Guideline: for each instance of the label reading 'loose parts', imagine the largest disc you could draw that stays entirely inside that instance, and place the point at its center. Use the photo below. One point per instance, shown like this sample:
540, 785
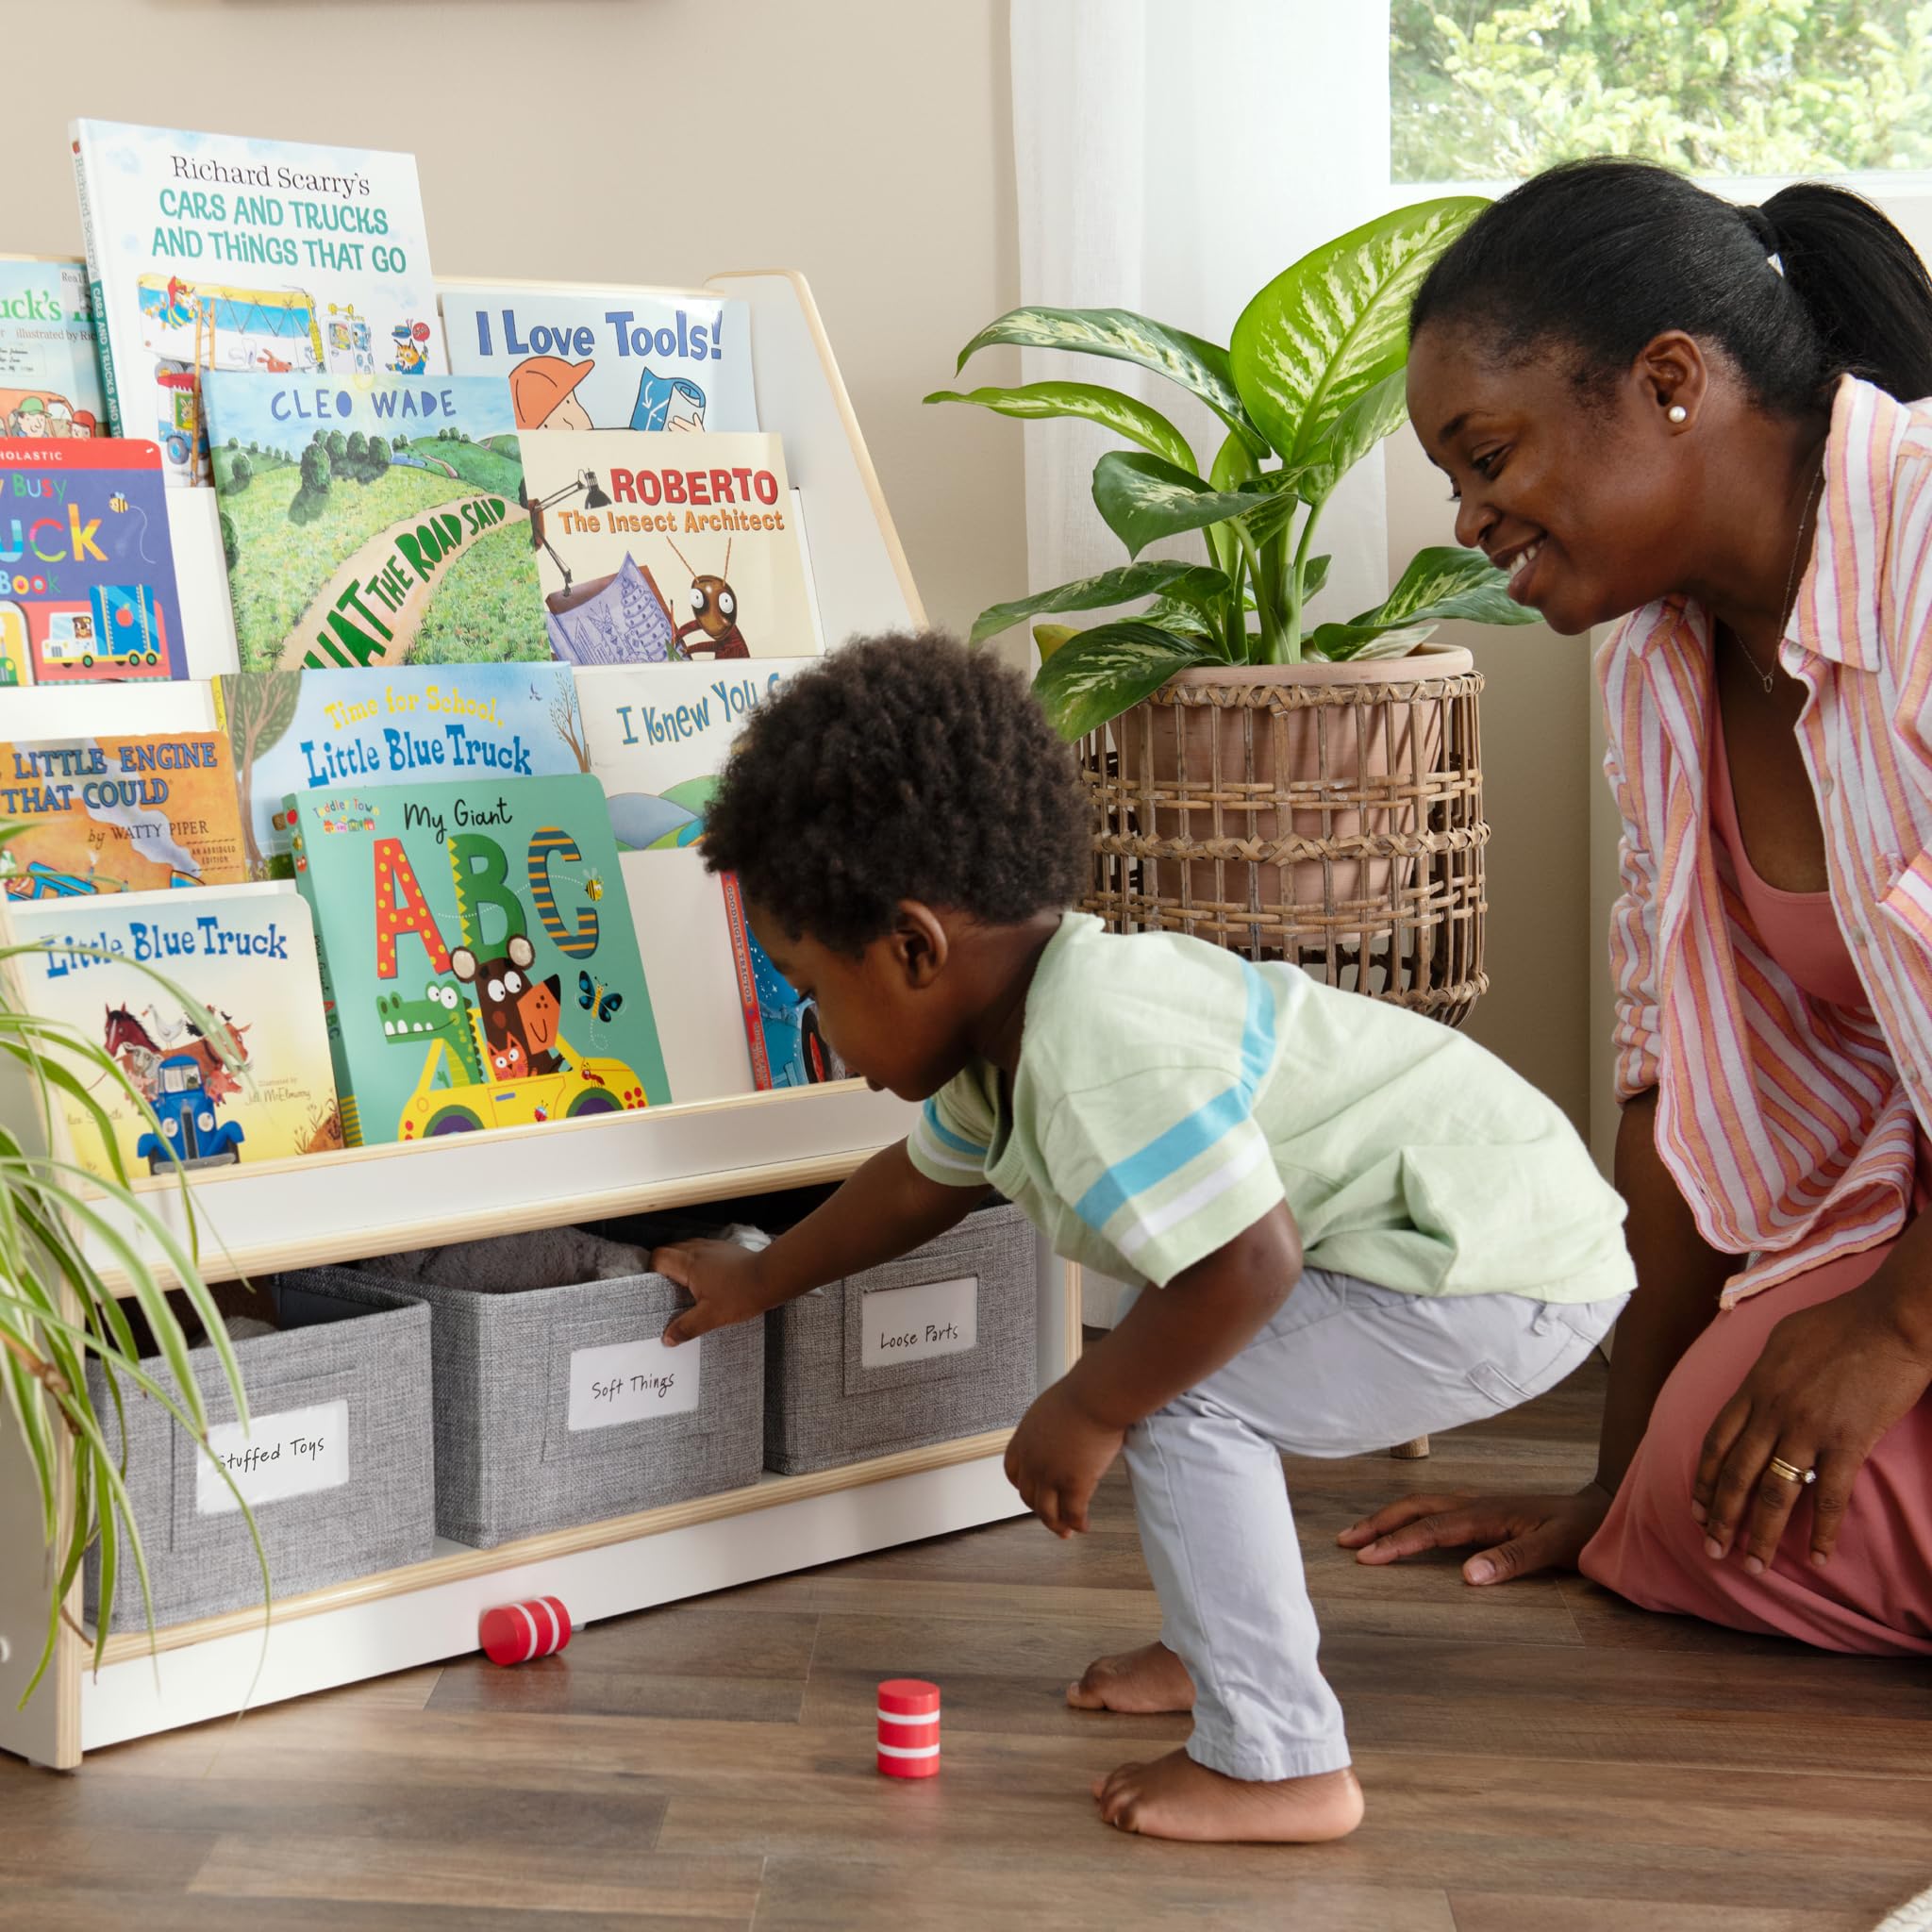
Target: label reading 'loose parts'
632, 1381
293, 1454
911, 1324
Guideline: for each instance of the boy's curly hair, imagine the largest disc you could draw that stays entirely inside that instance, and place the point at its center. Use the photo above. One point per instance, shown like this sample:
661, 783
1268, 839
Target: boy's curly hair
900, 767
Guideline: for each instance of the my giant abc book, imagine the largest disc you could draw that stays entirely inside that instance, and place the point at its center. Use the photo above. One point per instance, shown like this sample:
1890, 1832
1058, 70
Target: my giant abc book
478, 962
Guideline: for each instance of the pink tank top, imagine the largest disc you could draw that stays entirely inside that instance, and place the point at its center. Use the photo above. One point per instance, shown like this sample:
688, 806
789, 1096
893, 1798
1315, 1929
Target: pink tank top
1799, 930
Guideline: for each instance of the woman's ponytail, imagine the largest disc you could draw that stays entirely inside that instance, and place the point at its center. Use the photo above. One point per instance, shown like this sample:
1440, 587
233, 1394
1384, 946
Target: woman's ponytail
1861, 282
1604, 255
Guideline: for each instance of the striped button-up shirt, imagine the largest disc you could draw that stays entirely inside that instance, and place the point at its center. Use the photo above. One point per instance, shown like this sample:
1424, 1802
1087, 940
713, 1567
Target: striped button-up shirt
1790, 1126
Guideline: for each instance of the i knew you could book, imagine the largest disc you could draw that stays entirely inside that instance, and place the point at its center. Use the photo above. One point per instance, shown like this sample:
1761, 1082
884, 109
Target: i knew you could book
478, 962
657, 736
215, 251
660, 548
315, 730
374, 524
238, 1072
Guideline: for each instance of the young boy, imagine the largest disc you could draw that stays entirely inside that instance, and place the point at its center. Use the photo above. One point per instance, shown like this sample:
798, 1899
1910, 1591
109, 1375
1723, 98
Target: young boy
1358, 1227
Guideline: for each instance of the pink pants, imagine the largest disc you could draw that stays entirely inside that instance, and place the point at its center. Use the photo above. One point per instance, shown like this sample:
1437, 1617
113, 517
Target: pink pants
1876, 1594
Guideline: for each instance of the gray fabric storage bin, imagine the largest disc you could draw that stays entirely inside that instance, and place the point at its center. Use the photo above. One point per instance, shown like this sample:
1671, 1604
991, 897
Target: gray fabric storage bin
511, 1368
353, 1380
833, 1395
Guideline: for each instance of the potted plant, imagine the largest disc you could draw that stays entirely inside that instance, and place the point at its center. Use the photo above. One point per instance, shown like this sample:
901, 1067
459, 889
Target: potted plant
56, 1311
1308, 792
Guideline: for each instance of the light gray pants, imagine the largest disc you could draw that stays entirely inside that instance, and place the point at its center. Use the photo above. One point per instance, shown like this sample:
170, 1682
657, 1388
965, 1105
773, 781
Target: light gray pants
1344, 1368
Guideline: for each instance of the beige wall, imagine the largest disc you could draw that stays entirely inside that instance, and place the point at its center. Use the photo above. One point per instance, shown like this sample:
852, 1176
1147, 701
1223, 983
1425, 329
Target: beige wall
865, 141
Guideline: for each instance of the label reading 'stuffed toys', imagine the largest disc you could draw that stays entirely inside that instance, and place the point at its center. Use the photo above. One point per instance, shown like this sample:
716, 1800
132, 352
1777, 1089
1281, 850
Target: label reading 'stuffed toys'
296, 1453
911, 1324
631, 1382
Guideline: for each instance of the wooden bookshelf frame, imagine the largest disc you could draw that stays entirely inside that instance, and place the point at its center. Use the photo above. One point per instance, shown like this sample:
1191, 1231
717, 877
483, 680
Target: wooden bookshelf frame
263, 1217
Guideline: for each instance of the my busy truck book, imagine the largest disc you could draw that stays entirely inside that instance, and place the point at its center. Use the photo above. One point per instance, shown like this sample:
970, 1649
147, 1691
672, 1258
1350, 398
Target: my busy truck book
238, 1073
122, 815
214, 251
607, 359
479, 963
307, 730
373, 523
50, 369
87, 577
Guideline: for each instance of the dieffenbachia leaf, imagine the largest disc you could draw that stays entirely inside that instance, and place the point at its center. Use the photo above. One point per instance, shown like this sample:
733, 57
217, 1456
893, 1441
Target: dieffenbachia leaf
1144, 499
1192, 582
1107, 669
1123, 414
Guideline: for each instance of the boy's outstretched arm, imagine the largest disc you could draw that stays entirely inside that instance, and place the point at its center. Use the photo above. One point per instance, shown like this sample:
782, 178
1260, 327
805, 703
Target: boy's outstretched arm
1171, 1339
886, 1209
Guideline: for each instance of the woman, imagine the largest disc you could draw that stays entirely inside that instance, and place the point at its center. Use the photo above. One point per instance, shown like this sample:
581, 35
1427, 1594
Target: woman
1651, 402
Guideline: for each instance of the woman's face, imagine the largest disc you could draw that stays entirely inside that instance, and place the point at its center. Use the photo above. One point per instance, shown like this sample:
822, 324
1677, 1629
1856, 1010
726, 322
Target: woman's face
1582, 499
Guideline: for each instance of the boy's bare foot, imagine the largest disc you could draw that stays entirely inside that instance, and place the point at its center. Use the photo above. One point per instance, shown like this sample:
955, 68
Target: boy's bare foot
1142, 1681
1175, 1797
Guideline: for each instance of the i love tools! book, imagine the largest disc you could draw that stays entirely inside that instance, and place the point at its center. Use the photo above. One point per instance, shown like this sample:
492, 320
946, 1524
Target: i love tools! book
238, 1072
478, 962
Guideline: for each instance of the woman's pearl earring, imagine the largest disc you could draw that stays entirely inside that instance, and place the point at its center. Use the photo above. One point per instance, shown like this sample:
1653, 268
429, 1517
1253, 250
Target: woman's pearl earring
1677, 412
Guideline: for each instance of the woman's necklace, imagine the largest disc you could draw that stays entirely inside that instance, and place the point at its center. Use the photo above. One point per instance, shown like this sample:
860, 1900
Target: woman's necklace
1769, 678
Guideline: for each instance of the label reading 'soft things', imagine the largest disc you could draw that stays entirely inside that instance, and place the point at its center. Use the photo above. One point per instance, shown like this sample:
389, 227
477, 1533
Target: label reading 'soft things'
910, 1324
293, 1454
631, 1381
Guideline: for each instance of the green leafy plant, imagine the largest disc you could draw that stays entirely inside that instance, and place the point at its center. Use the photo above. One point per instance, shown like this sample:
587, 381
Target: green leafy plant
1312, 380
57, 1309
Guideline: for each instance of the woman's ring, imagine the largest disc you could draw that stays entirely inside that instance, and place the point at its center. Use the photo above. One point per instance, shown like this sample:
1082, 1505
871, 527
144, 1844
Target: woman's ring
1791, 1472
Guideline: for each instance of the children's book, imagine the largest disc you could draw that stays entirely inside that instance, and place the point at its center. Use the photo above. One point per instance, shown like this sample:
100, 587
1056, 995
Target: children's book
124, 814
236, 1071
657, 736
376, 523
307, 730
478, 967
781, 1029
50, 371
212, 251
607, 359
87, 574
655, 547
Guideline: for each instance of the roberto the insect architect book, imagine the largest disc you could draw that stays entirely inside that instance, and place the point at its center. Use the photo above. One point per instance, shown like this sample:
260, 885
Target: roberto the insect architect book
480, 968
238, 1071
658, 547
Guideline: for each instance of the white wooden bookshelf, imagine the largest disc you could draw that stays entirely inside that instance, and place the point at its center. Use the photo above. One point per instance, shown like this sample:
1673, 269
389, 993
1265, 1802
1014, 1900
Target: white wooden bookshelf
261, 1218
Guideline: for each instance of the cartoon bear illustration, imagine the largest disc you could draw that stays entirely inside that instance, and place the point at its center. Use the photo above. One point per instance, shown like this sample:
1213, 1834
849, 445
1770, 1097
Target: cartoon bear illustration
520, 1014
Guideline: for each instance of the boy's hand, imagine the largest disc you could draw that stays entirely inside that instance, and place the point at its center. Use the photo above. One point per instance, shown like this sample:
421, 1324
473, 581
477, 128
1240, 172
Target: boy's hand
728, 1282
1057, 1457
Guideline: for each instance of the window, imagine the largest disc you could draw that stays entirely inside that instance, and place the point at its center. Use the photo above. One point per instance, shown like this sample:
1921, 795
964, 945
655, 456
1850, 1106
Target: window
1488, 90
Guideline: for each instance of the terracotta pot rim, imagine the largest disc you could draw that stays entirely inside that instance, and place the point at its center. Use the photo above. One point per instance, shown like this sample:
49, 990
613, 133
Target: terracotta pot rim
1427, 660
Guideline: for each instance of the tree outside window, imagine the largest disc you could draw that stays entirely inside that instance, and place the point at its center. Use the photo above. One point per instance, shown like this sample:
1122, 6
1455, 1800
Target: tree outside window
1481, 90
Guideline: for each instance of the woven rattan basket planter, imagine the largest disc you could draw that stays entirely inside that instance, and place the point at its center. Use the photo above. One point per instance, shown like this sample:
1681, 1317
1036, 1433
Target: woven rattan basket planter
1327, 814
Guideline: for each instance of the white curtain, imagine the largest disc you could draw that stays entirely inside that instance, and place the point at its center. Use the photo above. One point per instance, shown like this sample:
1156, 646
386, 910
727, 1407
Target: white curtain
1172, 157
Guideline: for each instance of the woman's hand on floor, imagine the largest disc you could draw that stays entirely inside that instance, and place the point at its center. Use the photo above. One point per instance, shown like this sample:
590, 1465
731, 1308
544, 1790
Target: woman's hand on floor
1521, 1534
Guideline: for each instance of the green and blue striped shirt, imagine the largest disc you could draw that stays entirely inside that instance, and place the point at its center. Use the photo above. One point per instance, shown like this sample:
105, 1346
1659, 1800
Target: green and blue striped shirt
1170, 1093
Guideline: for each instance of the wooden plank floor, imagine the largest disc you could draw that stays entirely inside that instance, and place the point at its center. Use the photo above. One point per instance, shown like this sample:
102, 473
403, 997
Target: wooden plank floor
1538, 1759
